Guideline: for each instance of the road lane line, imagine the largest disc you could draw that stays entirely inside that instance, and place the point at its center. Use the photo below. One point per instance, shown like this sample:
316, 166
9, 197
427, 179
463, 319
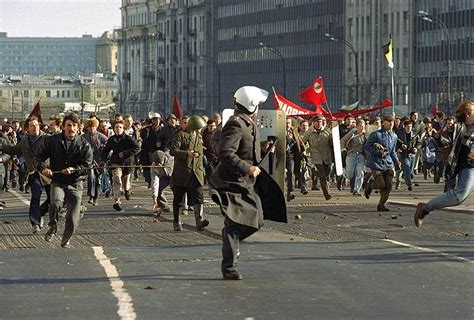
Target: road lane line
125, 303
447, 255
20, 197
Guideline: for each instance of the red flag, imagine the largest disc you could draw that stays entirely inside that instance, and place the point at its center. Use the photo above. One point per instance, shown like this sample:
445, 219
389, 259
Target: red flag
314, 94
177, 108
36, 111
434, 109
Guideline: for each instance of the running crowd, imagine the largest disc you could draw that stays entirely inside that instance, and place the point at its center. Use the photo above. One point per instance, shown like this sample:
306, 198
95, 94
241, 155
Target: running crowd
56, 157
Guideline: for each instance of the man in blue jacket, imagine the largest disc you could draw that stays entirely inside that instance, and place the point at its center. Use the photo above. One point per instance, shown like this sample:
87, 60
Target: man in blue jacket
382, 159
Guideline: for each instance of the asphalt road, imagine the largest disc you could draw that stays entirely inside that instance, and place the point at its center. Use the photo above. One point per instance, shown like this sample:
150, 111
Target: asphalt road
333, 260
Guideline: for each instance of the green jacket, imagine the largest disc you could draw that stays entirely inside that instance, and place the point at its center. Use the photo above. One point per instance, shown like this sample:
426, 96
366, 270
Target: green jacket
185, 167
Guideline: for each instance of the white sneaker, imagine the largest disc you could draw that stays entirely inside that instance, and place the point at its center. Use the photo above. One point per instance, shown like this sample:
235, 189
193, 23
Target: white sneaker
36, 228
41, 222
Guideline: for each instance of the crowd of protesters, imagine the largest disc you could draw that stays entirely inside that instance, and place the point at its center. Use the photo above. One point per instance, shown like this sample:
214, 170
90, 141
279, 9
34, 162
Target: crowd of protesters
183, 153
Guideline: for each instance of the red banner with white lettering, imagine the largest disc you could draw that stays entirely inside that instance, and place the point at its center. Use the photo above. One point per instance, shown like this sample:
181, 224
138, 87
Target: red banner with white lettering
292, 109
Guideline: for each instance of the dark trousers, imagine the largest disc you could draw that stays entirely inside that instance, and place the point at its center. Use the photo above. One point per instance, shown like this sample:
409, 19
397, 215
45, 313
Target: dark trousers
194, 192
232, 234
36, 211
382, 180
323, 171
73, 196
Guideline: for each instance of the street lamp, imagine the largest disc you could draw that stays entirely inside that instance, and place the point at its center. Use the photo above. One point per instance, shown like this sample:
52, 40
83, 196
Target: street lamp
10, 84
433, 19
218, 71
115, 75
356, 57
280, 55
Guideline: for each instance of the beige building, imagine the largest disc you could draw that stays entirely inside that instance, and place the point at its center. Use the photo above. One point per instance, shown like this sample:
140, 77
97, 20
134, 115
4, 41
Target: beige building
18, 94
106, 54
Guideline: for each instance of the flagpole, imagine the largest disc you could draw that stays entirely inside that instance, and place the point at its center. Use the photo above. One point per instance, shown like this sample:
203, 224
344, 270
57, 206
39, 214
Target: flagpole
393, 93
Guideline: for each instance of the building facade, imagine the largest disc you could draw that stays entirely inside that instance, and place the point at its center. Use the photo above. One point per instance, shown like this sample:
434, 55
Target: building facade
443, 61
106, 54
47, 56
18, 94
160, 42
201, 51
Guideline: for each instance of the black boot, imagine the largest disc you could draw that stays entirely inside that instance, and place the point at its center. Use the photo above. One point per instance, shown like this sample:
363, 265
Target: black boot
177, 225
201, 223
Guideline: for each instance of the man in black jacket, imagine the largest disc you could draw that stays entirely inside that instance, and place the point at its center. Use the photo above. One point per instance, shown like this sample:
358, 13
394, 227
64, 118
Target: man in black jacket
70, 157
235, 176
124, 148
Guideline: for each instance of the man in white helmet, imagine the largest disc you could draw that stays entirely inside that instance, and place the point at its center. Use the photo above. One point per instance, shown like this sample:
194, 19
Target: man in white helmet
235, 176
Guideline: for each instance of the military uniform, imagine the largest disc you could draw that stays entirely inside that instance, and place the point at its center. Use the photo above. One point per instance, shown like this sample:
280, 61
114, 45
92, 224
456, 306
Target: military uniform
188, 175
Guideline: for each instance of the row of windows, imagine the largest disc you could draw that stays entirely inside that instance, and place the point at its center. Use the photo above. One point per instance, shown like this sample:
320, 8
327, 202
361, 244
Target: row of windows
138, 19
279, 27
260, 5
363, 25
49, 47
463, 51
53, 94
169, 28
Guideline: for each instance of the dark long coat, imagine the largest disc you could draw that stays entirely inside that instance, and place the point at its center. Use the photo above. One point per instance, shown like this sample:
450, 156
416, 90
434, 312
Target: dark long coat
184, 166
239, 149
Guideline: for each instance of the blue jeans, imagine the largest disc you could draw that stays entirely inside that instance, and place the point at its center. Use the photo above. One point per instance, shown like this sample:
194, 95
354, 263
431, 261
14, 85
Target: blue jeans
35, 209
456, 196
355, 165
407, 167
93, 182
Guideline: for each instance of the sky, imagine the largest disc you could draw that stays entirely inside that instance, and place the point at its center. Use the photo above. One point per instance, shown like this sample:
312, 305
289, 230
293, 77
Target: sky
58, 18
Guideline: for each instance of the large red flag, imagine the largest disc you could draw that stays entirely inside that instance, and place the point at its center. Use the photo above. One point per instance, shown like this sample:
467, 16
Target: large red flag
177, 108
292, 108
37, 111
314, 94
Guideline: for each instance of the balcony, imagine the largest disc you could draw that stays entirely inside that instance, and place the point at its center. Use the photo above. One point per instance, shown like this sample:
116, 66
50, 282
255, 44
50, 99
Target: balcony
192, 32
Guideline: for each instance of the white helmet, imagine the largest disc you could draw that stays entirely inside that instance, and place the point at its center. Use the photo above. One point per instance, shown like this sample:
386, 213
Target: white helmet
250, 97
152, 115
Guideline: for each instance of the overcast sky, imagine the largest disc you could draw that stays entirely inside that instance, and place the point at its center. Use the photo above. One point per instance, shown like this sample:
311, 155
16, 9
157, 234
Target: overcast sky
58, 18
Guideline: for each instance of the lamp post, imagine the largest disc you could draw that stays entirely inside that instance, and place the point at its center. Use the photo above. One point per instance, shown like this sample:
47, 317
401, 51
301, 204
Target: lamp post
116, 76
282, 58
9, 83
356, 57
433, 19
218, 71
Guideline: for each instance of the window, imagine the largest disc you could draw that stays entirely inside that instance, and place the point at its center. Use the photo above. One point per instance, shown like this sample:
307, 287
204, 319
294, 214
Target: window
351, 27
48, 94
25, 93
37, 93
406, 22
99, 94
405, 58
76, 93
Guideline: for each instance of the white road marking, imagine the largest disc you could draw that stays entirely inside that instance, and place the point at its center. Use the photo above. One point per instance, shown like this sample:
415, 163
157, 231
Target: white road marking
444, 254
20, 197
125, 303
